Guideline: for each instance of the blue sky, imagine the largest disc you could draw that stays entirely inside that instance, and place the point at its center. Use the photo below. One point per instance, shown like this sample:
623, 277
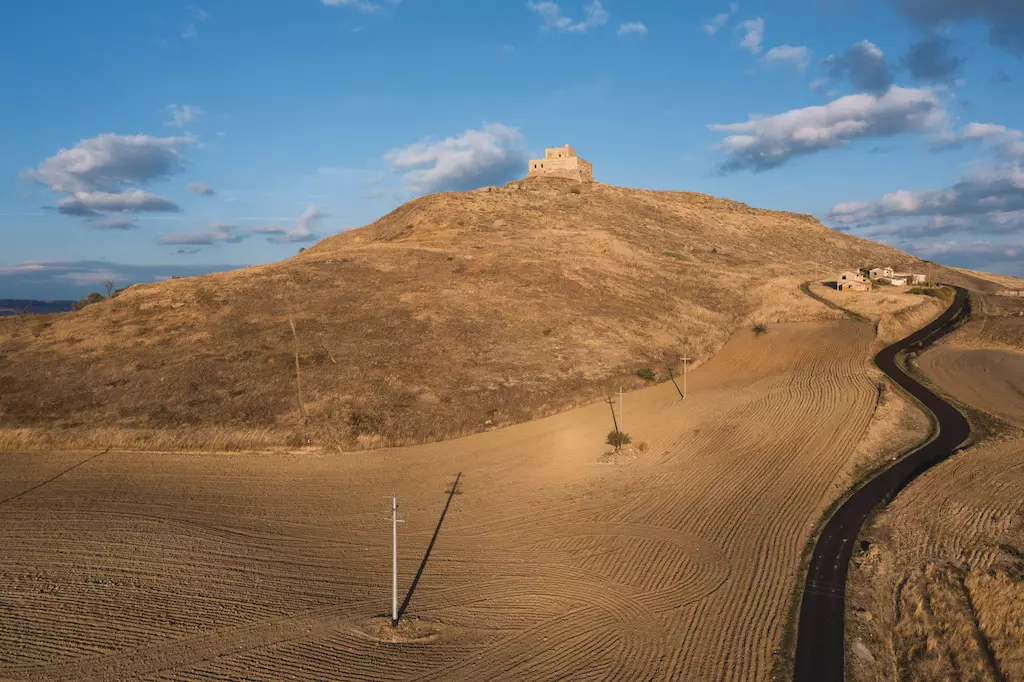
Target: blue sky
149, 139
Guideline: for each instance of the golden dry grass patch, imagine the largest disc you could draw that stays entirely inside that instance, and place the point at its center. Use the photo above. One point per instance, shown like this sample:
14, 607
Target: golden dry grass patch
452, 313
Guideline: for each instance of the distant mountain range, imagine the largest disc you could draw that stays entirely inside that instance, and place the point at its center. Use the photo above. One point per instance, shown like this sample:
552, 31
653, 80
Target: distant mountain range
14, 306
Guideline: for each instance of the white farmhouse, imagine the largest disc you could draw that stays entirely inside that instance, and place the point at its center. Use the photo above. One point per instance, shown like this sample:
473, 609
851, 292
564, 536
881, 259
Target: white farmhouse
879, 273
913, 278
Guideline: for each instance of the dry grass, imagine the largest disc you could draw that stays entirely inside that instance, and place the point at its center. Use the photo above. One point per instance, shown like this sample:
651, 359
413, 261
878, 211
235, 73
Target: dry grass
895, 311
671, 560
940, 594
453, 314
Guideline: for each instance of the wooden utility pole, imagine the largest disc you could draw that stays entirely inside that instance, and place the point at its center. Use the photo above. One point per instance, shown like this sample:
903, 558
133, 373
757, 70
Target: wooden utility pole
394, 558
685, 361
621, 420
611, 405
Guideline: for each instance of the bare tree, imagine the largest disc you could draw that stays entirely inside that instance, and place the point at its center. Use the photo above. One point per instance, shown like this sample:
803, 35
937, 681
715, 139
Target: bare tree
109, 284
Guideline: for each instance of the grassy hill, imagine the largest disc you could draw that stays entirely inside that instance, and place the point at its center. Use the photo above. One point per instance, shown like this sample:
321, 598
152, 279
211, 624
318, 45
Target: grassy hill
454, 313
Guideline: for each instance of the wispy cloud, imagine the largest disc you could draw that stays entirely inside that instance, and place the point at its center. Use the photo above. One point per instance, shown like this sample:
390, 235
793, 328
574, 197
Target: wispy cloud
715, 24
797, 57
198, 16
183, 114
201, 189
114, 224
302, 232
215, 233
366, 6
633, 28
753, 37
551, 12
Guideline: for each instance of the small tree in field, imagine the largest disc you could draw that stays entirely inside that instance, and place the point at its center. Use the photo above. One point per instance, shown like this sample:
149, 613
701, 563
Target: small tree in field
617, 439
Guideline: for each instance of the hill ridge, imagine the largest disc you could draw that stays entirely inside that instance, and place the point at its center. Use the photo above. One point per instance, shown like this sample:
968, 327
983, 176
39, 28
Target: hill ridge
455, 312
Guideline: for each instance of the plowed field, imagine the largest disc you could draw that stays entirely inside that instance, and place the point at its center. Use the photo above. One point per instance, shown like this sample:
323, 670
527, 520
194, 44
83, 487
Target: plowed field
675, 560
939, 594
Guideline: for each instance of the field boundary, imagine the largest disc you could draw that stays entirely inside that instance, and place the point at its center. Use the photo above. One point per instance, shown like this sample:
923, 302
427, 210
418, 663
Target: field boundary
806, 288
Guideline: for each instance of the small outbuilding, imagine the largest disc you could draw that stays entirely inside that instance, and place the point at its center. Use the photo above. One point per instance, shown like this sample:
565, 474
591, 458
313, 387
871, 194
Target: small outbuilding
852, 281
879, 273
910, 277
853, 285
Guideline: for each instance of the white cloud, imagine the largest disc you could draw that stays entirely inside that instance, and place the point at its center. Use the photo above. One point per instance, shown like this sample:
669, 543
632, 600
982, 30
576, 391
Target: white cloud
201, 189
992, 191
1007, 142
719, 20
128, 201
490, 156
107, 162
302, 231
594, 15
361, 5
198, 17
753, 39
761, 143
22, 268
183, 114
215, 233
864, 64
633, 28
798, 57
95, 172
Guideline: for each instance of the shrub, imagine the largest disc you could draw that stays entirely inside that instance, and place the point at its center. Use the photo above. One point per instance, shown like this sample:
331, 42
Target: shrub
646, 373
617, 439
94, 297
760, 328
672, 254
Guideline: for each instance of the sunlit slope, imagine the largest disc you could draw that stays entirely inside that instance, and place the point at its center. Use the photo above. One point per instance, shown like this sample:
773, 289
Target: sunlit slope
454, 313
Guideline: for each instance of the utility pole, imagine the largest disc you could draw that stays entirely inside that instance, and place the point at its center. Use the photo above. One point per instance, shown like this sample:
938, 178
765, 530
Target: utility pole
621, 420
611, 406
394, 558
685, 361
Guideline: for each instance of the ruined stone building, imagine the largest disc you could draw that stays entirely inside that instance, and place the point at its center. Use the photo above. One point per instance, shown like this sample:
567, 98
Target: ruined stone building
562, 162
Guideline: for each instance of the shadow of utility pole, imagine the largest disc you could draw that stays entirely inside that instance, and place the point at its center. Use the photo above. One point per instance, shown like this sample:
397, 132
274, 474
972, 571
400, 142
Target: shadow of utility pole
430, 547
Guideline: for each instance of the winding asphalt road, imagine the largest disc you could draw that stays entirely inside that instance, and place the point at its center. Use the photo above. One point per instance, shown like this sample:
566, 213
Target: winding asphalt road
819, 647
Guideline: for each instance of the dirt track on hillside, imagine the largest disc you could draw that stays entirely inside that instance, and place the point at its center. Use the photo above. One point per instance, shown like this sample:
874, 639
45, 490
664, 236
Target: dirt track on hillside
678, 561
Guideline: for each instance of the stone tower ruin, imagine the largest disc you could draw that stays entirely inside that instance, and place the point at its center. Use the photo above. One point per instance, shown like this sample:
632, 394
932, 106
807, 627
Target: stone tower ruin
562, 162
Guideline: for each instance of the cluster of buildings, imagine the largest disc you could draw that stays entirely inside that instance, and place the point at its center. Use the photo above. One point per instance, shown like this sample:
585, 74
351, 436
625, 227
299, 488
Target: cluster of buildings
855, 281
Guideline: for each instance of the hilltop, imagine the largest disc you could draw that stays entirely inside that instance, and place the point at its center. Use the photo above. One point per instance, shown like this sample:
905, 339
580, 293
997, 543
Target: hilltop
455, 313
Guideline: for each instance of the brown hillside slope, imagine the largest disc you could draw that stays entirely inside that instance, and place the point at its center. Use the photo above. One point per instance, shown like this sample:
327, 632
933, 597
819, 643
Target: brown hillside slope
454, 313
